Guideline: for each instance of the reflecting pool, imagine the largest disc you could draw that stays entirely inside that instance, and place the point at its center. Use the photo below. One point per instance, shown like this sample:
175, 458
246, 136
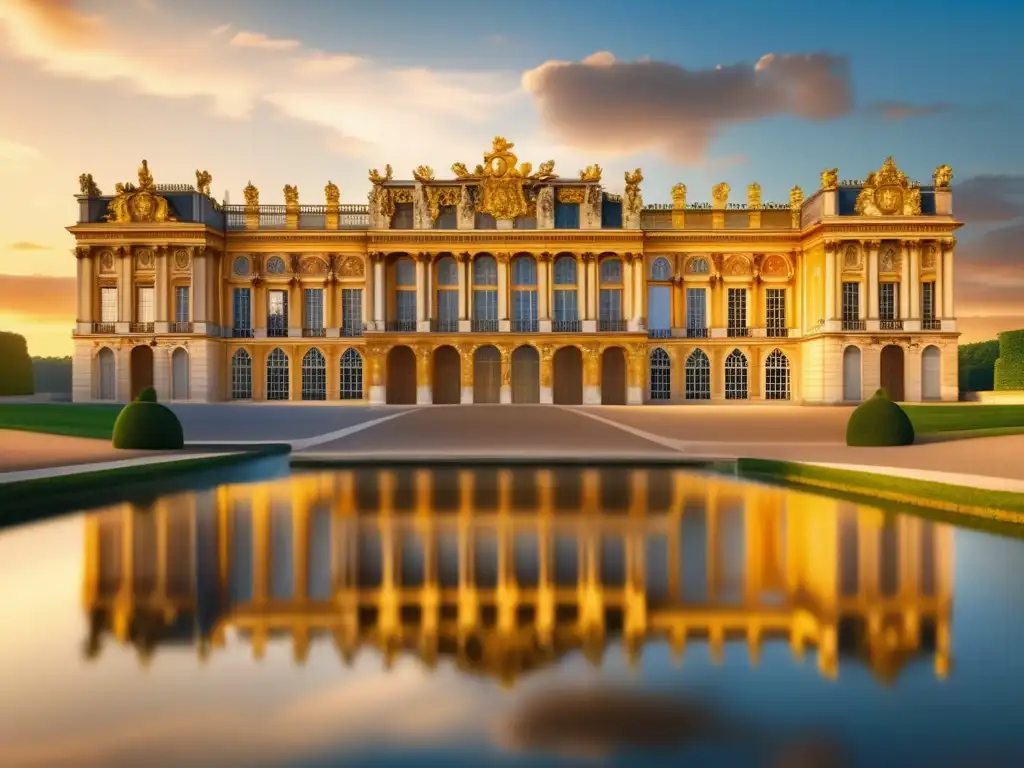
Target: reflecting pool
507, 617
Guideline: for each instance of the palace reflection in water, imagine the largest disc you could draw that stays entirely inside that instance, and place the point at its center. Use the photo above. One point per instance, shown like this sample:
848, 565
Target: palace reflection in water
506, 571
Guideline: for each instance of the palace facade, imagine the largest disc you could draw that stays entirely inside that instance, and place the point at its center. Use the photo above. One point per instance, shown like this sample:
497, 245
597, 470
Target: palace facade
509, 285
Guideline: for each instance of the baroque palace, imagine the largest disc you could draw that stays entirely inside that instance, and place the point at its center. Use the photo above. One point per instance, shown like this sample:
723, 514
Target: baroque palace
509, 285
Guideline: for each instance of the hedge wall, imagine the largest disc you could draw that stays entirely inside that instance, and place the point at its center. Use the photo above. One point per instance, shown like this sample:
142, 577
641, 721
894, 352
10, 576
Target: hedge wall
15, 365
1009, 368
977, 366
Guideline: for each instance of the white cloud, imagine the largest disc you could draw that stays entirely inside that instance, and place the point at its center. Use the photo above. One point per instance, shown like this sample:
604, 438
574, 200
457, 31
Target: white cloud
13, 150
245, 39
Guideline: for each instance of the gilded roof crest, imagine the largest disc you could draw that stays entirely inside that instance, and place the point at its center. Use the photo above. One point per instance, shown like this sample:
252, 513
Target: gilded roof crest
138, 204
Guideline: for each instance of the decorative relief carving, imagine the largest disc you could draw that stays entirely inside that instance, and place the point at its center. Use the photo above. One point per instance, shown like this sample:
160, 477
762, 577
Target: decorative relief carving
775, 265
182, 260
889, 260
830, 179
442, 197
929, 256
106, 261
851, 256
546, 208
679, 197
240, 266
145, 258
737, 266
352, 266
720, 194
138, 204
888, 192
276, 266
572, 195
313, 265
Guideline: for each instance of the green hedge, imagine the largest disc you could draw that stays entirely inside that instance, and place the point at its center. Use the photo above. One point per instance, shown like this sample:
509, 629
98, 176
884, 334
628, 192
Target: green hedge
1009, 368
878, 421
15, 365
977, 366
147, 425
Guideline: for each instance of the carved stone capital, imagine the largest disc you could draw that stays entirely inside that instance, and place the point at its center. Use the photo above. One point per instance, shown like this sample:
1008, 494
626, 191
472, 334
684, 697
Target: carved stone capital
588, 257
911, 243
544, 256
872, 245
81, 251
463, 256
503, 258
831, 246
376, 256
424, 256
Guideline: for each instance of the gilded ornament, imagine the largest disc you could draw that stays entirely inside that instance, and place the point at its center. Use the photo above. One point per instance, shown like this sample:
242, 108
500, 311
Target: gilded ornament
291, 195
929, 256
423, 173
506, 368
106, 262
442, 197
376, 178
145, 258
591, 173
502, 183
851, 257
774, 265
679, 196
737, 266
943, 176
181, 260
889, 261
545, 171
313, 265
796, 198
754, 196
138, 204
203, 181
633, 200
887, 192
252, 196
570, 195
830, 178
332, 194
461, 172
913, 204
720, 194
88, 186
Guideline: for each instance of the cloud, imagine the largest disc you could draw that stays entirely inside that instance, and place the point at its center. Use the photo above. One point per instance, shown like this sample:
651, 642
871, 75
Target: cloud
39, 297
603, 104
989, 198
24, 245
12, 150
903, 110
245, 39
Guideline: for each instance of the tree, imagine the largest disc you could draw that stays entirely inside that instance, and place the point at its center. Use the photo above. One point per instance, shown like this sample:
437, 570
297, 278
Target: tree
15, 365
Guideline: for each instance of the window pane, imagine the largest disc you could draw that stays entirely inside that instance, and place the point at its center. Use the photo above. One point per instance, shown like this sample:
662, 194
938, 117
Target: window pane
851, 301
611, 271
696, 308
565, 306
108, 305
524, 271
448, 306
610, 300
181, 304
351, 308
524, 305
242, 314
314, 307
144, 305
775, 308
485, 305
405, 273
406, 306
277, 310
737, 307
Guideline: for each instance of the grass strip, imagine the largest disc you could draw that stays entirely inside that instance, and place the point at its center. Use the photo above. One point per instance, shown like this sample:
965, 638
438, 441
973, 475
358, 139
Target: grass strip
1001, 506
73, 420
929, 419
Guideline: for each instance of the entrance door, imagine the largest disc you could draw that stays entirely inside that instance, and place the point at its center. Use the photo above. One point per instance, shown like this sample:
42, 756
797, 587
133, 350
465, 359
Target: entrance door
892, 371
141, 369
613, 377
525, 375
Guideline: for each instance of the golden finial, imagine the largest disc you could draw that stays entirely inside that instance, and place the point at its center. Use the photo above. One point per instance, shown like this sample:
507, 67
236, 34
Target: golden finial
203, 181
591, 173
679, 196
88, 186
720, 194
796, 197
332, 193
423, 173
830, 178
943, 176
754, 196
145, 177
252, 195
291, 195
376, 178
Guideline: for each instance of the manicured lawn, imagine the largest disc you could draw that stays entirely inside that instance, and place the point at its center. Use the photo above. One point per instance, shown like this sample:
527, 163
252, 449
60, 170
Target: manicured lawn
60, 418
929, 419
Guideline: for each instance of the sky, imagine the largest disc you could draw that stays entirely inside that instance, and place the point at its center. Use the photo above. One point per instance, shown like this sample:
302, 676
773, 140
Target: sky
304, 92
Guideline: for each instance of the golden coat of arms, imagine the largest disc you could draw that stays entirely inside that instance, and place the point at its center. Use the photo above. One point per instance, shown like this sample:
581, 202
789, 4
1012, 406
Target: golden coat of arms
888, 192
502, 183
138, 204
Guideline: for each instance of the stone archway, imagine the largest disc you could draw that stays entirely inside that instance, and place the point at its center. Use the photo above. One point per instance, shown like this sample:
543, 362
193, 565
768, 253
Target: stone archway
891, 365
613, 376
525, 375
141, 369
179, 374
446, 380
931, 373
487, 375
568, 373
401, 376
106, 385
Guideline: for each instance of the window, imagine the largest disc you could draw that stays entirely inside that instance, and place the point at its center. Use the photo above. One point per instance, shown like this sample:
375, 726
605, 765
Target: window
351, 311
277, 313
485, 293
565, 271
928, 300
181, 304
108, 305
565, 307
242, 314
403, 216
610, 296
351, 375
241, 375
736, 376
405, 273
314, 375
697, 376
887, 302
775, 311
277, 375
447, 294
610, 304
696, 308
661, 271
611, 271
485, 308
524, 272
737, 310
564, 311
776, 376
314, 309
851, 302
447, 217
144, 304
406, 308
661, 375
524, 294
405, 294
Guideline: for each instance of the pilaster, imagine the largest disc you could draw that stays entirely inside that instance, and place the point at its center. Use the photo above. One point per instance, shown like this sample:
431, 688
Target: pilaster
914, 309
504, 324
86, 286
872, 247
125, 287
374, 359
639, 281
831, 249
422, 292
467, 353
543, 290
424, 395
592, 375
905, 278
546, 374
379, 301
636, 370
200, 273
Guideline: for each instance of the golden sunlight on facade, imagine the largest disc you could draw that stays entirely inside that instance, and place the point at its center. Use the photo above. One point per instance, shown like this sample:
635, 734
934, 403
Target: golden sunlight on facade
508, 571
509, 285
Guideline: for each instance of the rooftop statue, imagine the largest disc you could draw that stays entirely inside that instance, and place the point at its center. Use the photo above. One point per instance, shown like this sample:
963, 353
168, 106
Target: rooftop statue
138, 204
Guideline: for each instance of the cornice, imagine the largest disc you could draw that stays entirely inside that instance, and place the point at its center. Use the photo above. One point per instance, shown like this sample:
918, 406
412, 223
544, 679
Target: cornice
507, 238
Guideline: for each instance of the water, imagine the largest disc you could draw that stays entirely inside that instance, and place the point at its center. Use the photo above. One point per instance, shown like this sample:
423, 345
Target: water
514, 617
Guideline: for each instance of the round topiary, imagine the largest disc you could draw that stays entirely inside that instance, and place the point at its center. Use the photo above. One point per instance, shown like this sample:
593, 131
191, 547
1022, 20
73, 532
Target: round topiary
147, 395
148, 426
878, 421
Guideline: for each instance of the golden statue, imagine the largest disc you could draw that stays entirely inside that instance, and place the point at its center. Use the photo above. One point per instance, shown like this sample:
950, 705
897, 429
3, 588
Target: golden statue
679, 196
886, 193
332, 194
830, 178
423, 173
591, 173
252, 196
88, 186
912, 206
203, 181
720, 194
942, 176
754, 196
138, 204
376, 178
634, 202
291, 195
546, 171
502, 184
461, 172
796, 198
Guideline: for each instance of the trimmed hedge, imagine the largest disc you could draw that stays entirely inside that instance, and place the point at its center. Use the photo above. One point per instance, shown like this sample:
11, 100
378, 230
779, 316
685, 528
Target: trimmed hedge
1009, 368
16, 376
878, 421
977, 363
147, 425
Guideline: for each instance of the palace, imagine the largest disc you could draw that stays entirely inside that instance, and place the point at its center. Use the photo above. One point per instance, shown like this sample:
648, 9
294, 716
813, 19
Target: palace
509, 285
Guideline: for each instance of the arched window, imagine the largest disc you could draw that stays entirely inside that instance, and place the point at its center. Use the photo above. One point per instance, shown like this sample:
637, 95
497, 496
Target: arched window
405, 294
661, 374
565, 314
241, 266
107, 374
275, 265
776, 376
277, 375
698, 266
351, 375
611, 271
524, 272
485, 293
565, 271
661, 270
314, 375
241, 375
447, 272
736, 376
485, 271
524, 294
609, 310
697, 385
405, 273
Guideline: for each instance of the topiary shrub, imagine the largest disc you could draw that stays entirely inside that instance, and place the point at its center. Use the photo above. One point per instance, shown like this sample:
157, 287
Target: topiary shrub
1009, 368
146, 425
878, 421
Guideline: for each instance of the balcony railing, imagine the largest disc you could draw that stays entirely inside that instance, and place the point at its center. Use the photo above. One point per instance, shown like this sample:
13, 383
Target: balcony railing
310, 216
445, 325
141, 327
400, 326
525, 326
854, 325
696, 333
607, 324
890, 325
485, 325
242, 333
567, 326
314, 332
659, 333
181, 326
102, 327
777, 333
277, 332
352, 331
737, 332
931, 324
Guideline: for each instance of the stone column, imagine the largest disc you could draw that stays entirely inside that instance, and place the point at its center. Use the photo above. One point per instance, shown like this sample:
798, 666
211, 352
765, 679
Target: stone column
125, 286
258, 309
872, 248
296, 308
465, 264
424, 396
546, 374
592, 376
199, 289
86, 290
374, 361
428, 292
948, 305
905, 305
627, 287
505, 393
379, 301
639, 281
367, 303
162, 290
937, 291
422, 324
636, 374
504, 324
162, 373
831, 249
466, 354
593, 286
543, 293
582, 298
914, 309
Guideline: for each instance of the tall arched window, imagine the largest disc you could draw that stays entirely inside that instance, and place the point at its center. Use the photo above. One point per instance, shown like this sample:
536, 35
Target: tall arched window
485, 293
661, 270
524, 293
277, 375
107, 388
241, 375
314, 375
610, 297
736, 376
661, 374
565, 313
447, 295
697, 385
405, 295
351, 375
659, 300
776, 376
